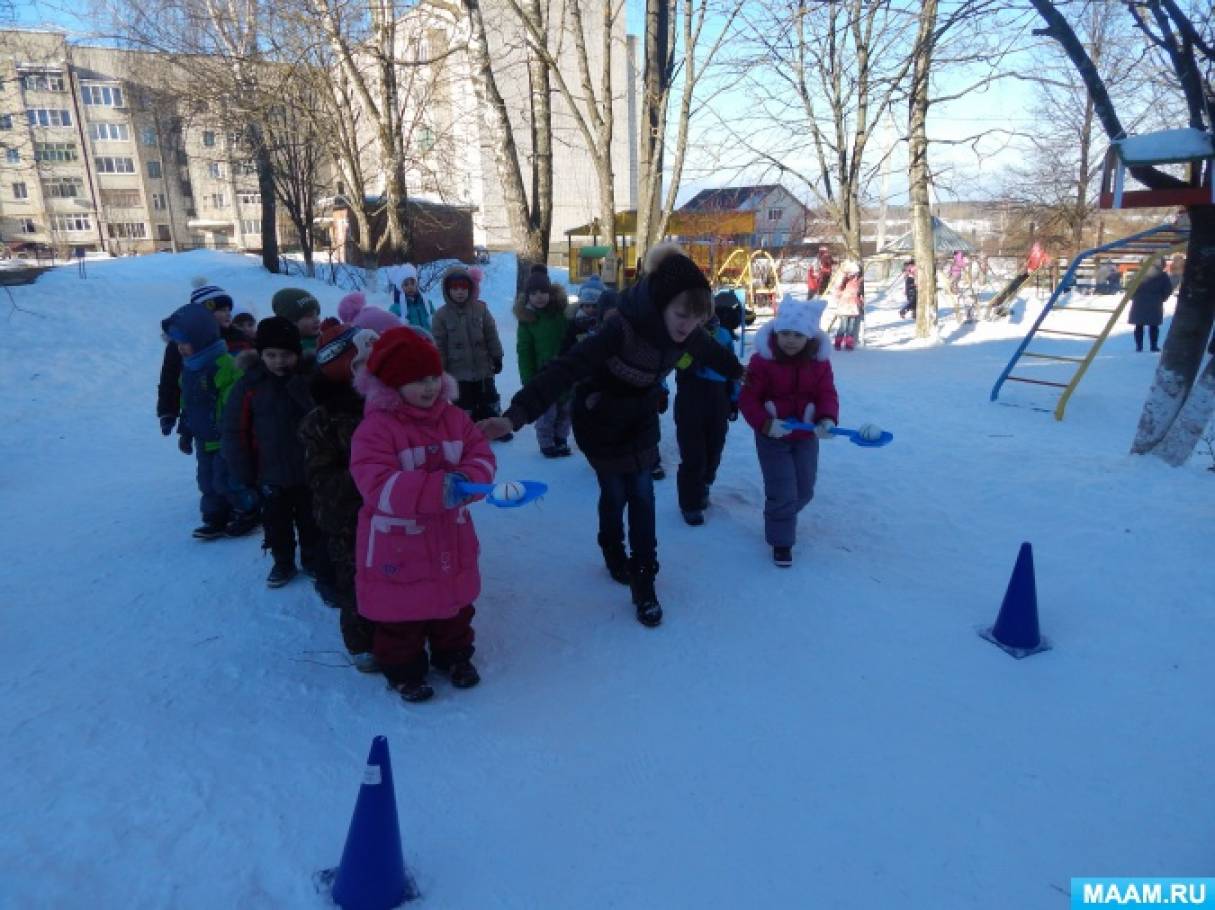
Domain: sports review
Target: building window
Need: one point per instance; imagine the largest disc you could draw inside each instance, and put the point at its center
(109, 132)
(251, 225)
(158, 202)
(42, 82)
(54, 151)
(48, 117)
(162, 232)
(128, 230)
(776, 214)
(247, 169)
(215, 169)
(425, 139)
(20, 191)
(147, 136)
(121, 199)
(154, 169)
(12, 156)
(235, 139)
(249, 198)
(64, 188)
(217, 200)
(27, 226)
(209, 139)
(6, 121)
(109, 165)
(69, 223)
(102, 95)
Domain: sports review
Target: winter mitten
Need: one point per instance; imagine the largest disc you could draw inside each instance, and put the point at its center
(823, 428)
(167, 422)
(452, 497)
(185, 443)
(776, 429)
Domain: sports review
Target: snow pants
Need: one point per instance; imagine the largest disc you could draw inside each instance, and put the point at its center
(400, 647)
(554, 424)
(220, 493)
(287, 511)
(790, 467)
(702, 414)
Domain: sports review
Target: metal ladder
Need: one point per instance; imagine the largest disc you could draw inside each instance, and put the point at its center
(1153, 245)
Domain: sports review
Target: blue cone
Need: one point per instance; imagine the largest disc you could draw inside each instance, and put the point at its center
(1016, 628)
(372, 874)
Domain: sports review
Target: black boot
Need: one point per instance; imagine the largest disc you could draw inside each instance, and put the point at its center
(616, 560)
(649, 611)
(409, 679)
(282, 573)
(458, 666)
(242, 523)
(210, 529)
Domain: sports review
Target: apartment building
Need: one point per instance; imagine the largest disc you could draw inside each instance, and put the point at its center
(98, 154)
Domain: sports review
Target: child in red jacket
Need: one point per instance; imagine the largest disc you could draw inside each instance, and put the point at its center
(789, 376)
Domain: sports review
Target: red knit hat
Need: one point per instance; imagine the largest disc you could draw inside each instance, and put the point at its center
(339, 347)
(404, 355)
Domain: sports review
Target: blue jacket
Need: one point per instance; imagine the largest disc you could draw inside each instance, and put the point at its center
(204, 393)
(723, 337)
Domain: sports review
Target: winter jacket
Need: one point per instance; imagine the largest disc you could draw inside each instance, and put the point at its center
(417, 553)
(418, 311)
(540, 333)
(467, 338)
(261, 428)
(774, 389)
(236, 340)
(1147, 303)
(617, 374)
(326, 433)
(204, 393)
(850, 296)
(687, 370)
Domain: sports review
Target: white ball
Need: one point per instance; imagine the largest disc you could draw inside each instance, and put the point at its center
(509, 491)
(869, 432)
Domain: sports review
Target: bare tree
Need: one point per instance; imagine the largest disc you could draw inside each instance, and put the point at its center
(1180, 402)
(296, 152)
(530, 220)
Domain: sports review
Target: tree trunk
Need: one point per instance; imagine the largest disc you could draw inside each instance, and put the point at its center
(918, 176)
(1175, 415)
(654, 97)
(265, 185)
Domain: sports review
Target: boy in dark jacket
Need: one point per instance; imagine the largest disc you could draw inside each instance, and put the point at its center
(303, 311)
(207, 377)
(326, 434)
(616, 376)
(705, 402)
(262, 447)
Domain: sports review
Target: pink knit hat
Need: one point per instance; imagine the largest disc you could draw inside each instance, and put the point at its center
(376, 319)
(350, 305)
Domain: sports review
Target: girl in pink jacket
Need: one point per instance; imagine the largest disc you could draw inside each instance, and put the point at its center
(416, 575)
(789, 376)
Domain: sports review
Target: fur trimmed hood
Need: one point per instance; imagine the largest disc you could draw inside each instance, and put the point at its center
(558, 302)
(764, 342)
(382, 397)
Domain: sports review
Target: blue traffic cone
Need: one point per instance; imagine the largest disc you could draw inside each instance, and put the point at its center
(372, 873)
(1016, 628)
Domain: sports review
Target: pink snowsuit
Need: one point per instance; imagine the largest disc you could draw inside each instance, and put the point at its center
(416, 557)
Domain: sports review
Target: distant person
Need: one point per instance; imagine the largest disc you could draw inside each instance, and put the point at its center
(1107, 279)
(849, 305)
(540, 309)
(1147, 306)
(910, 291)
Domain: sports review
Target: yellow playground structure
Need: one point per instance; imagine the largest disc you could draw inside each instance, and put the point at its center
(755, 275)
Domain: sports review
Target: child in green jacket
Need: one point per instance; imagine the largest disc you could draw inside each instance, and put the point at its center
(540, 310)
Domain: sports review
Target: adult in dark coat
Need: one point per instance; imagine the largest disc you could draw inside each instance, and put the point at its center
(1147, 306)
(617, 376)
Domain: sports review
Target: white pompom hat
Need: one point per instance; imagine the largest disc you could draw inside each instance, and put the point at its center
(799, 315)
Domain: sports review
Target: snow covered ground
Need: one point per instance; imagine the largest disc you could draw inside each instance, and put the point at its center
(834, 735)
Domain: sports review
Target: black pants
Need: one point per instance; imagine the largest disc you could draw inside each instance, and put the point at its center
(702, 413)
(479, 398)
(285, 512)
(636, 492)
(1153, 337)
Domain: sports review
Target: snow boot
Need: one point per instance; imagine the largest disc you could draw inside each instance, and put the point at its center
(550, 451)
(282, 573)
(649, 610)
(616, 560)
(413, 690)
(839, 340)
(457, 666)
(242, 523)
(694, 517)
(849, 343)
(209, 530)
(782, 556)
(409, 679)
(658, 472)
(563, 449)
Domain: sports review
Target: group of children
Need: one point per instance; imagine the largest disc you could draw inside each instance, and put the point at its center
(360, 439)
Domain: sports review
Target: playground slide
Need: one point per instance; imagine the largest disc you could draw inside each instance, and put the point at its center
(1000, 304)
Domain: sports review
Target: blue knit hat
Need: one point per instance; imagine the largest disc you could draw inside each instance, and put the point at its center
(192, 324)
(212, 296)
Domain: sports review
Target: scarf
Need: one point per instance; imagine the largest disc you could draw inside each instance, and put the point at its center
(208, 355)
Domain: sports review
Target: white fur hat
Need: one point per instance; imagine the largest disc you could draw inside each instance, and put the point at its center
(406, 271)
(798, 315)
